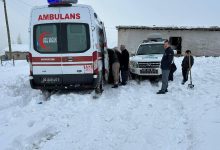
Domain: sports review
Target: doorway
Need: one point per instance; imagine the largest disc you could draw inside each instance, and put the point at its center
(176, 43)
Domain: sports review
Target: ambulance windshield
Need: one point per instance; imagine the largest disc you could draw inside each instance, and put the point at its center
(61, 38)
(148, 49)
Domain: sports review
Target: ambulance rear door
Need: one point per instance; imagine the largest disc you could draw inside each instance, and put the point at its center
(77, 46)
(46, 50)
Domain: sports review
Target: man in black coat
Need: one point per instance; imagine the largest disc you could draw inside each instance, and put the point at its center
(187, 63)
(124, 63)
(110, 55)
(165, 66)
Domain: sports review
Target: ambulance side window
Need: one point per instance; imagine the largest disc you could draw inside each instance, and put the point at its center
(45, 38)
(78, 39)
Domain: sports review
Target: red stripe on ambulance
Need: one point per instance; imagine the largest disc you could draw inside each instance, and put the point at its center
(62, 59)
(46, 59)
(61, 64)
(78, 59)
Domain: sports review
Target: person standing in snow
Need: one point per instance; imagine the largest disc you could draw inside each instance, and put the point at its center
(187, 63)
(166, 62)
(116, 67)
(124, 64)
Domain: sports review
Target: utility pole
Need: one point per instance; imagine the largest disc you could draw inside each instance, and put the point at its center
(8, 30)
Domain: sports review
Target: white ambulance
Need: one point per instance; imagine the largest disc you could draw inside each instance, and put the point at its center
(68, 47)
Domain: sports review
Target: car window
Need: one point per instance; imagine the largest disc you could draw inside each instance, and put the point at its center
(150, 49)
(61, 38)
(77, 37)
(45, 39)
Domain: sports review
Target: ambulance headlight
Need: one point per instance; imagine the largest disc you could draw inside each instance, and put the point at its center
(62, 1)
(133, 64)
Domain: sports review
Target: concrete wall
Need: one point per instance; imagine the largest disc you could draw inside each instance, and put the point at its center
(202, 43)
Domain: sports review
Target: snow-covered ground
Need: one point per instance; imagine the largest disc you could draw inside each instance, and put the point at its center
(128, 118)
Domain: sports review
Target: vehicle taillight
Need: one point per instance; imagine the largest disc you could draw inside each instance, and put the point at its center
(30, 61)
(95, 62)
(30, 57)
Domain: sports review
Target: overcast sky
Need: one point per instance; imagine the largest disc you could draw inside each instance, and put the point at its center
(121, 12)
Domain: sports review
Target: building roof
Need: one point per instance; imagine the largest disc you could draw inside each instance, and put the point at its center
(211, 28)
(16, 48)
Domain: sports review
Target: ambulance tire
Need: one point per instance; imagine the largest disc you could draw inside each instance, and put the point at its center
(33, 86)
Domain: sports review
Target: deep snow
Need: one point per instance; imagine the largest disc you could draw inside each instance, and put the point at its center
(131, 117)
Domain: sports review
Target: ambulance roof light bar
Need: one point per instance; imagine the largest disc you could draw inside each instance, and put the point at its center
(55, 3)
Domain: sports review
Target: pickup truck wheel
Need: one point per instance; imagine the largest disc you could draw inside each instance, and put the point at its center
(133, 76)
(138, 79)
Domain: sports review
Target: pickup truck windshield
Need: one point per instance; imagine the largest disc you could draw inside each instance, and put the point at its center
(148, 49)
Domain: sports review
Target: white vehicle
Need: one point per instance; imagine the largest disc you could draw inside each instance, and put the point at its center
(147, 59)
(68, 47)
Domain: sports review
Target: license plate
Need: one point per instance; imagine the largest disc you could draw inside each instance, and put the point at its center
(50, 80)
(88, 68)
(149, 71)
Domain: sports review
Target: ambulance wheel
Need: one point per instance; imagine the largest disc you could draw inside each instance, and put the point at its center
(33, 86)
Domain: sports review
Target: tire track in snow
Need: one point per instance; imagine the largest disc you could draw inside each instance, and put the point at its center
(33, 141)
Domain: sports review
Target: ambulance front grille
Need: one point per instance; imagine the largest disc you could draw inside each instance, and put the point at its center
(149, 64)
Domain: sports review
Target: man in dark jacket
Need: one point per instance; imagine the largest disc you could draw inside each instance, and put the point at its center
(187, 63)
(165, 66)
(124, 63)
(110, 56)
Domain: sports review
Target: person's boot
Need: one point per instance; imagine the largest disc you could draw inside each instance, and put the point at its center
(161, 92)
(183, 82)
(123, 83)
(115, 86)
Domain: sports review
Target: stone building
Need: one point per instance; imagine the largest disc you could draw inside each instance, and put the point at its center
(19, 51)
(203, 41)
